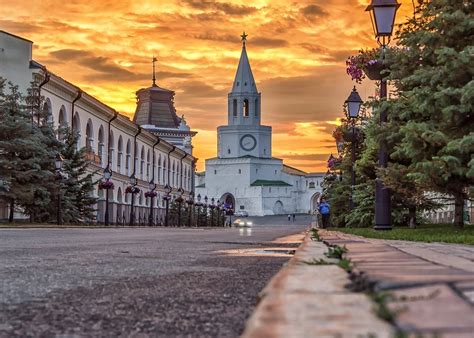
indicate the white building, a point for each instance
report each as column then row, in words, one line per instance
column 244, row 173
column 127, row 149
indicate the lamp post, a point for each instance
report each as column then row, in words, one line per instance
column 107, row 175
column 353, row 104
column 179, row 200
column 167, row 201
column 219, row 212
column 190, row 203
column 58, row 163
column 133, row 183
column 382, row 15
column 198, row 205
column 212, row 206
column 152, row 186
column 205, row 208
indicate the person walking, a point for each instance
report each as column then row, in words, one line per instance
column 289, row 217
column 325, row 212
column 293, row 216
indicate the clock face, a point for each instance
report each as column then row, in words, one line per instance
column 248, row 142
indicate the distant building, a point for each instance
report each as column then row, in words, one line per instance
column 244, row 174
column 160, row 151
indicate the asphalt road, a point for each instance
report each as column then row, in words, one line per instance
column 136, row 282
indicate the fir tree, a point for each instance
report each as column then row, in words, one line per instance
column 77, row 185
column 435, row 103
column 22, row 152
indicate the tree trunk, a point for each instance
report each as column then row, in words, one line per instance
column 459, row 210
column 12, row 210
column 412, row 217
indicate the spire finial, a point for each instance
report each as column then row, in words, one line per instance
column 154, row 76
column 244, row 38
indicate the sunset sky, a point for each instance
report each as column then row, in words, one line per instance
column 297, row 50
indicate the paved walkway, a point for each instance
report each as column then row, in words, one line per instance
column 432, row 284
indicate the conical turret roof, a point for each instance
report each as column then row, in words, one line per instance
column 244, row 81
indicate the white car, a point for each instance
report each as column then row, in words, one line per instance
column 242, row 223
column 241, row 213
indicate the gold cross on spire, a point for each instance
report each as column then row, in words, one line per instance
column 244, row 37
column 154, row 77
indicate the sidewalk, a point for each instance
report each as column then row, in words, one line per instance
column 311, row 300
column 432, row 284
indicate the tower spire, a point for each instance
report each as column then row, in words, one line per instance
column 244, row 38
column 154, row 76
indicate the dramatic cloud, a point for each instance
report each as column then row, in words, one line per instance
column 297, row 51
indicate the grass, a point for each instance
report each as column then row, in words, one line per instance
column 445, row 233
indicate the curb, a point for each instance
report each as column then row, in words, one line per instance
column 304, row 300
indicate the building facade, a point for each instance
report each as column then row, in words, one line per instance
column 110, row 138
column 244, row 174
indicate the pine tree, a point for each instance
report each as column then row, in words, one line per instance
column 22, row 153
column 435, row 103
column 77, row 186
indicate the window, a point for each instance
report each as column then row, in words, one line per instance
column 228, row 151
column 275, row 172
column 256, row 107
column 215, row 172
column 100, row 149
column 246, row 108
column 127, row 158
column 234, row 107
column 240, row 171
column 264, row 151
column 270, row 189
column 120, row 153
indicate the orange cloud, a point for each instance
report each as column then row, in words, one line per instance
column 297, row 50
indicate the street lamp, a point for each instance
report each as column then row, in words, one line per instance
column 190, row 203
column 179, row 200
column 212, row 206
column 382, row 14
column 167, row 197
column 107, row 175
column 152, row 186
column 58, row 163
column 133, row 183
column 353, row 103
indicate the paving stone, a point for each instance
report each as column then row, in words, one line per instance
column 432, row 309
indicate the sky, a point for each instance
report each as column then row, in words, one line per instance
column 297, row 50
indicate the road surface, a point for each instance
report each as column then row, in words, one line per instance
column 128, row 282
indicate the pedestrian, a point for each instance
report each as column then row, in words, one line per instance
column 294, row 216
column 289, row 217
column 325, row 212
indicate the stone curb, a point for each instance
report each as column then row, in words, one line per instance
column 304, row 300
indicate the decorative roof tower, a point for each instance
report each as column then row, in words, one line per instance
column 156, row 113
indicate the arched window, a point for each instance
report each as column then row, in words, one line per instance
column 100, row 149
column 234, row 107
column 246, row 108
column 77, row 129
column 47, row 112
column 256, row 108
column 165, row 180
column 142, row 161
column 148, row 164
column 159, row 169
column 173, row 168
column 119, row 153
column 111, row 149
column 135, row 159
column 62, row 123
column 89, row 137
column 128, row 157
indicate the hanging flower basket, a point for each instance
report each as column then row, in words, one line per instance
column 166, row 197
column 353, row 136
column 149, row 194
column 334, row 163
column 376, row 70
column 132, row 190
column 106, row 185
column 370, row 63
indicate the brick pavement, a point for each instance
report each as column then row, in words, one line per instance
column 432, row 284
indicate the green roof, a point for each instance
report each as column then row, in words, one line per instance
column 201, row 185
column 265, row 183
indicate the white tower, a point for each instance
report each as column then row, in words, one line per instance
column 243, row 135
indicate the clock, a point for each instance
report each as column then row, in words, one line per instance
column 248, row 142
